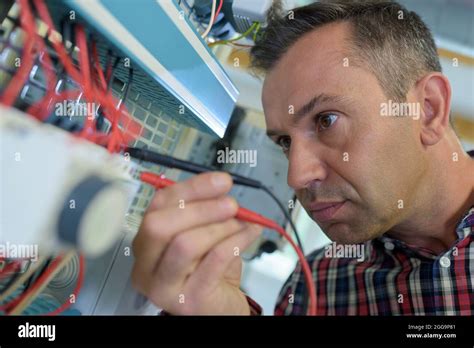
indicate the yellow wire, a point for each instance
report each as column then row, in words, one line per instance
column 249, row 30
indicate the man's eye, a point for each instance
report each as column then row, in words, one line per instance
column 284, row 143
column 326, row 121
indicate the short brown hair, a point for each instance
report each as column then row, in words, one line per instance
column 392, row 42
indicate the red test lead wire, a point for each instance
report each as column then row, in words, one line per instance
column 218, row 11
column 43, row 277
column 159, row 182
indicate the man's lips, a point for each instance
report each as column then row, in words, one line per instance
column 325, row 211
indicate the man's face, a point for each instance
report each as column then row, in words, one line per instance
column 354, row 171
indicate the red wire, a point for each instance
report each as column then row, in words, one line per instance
column 217, row 12
column 84, row 65
column 27, row 21
column 37, row 284
column 103, row 85
column 27, row 60
column 10, row 267
column 82, row 79
column 250, row 216
column 58, row 47
column 41, row 109
column 51, row 268
column 117, row 138
column 114, row 141
column 159, row 181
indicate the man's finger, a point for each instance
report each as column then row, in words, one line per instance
column 199, row 187
column 215, row 263
column 187, row 249
column 160, row 227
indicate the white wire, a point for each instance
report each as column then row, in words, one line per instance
column 213, row 12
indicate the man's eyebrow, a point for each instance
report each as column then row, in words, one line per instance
column 319, row 99
column 308, row 107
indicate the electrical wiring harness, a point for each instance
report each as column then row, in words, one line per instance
column 16, row 299
column 93, row 86
column 90, row 78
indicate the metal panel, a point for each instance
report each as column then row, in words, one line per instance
column 175, row 66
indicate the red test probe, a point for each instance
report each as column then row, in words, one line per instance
column 159, row 182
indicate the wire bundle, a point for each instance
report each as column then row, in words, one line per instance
column 15, row 298
column 214, row 14
column 254, row 29
column 90, row 78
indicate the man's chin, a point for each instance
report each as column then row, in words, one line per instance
column 343, row 233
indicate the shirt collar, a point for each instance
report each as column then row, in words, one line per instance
column 466, row 225
column 464, row 228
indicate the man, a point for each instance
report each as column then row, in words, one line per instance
column 355, row 97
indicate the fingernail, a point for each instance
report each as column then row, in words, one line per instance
column 220, row 180
column 229, row 203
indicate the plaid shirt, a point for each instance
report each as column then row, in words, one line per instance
column 396, row 279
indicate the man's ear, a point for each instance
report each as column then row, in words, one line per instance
column 434, row 93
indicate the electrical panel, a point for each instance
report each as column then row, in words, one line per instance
column 165, row 96
column 64, row 181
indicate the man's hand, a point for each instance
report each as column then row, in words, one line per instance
column 187, row 258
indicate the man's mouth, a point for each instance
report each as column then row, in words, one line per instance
column 325, row 211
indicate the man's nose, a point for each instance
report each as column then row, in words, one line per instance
column 304, row 166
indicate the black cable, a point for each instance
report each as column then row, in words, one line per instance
column 127, row 88
column 32, row 279
column 67, row 34
column 171, row 162
column 112, row 72
column 100, row 113
column 286, row 213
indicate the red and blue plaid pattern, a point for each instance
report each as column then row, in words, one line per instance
column 395, row 279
